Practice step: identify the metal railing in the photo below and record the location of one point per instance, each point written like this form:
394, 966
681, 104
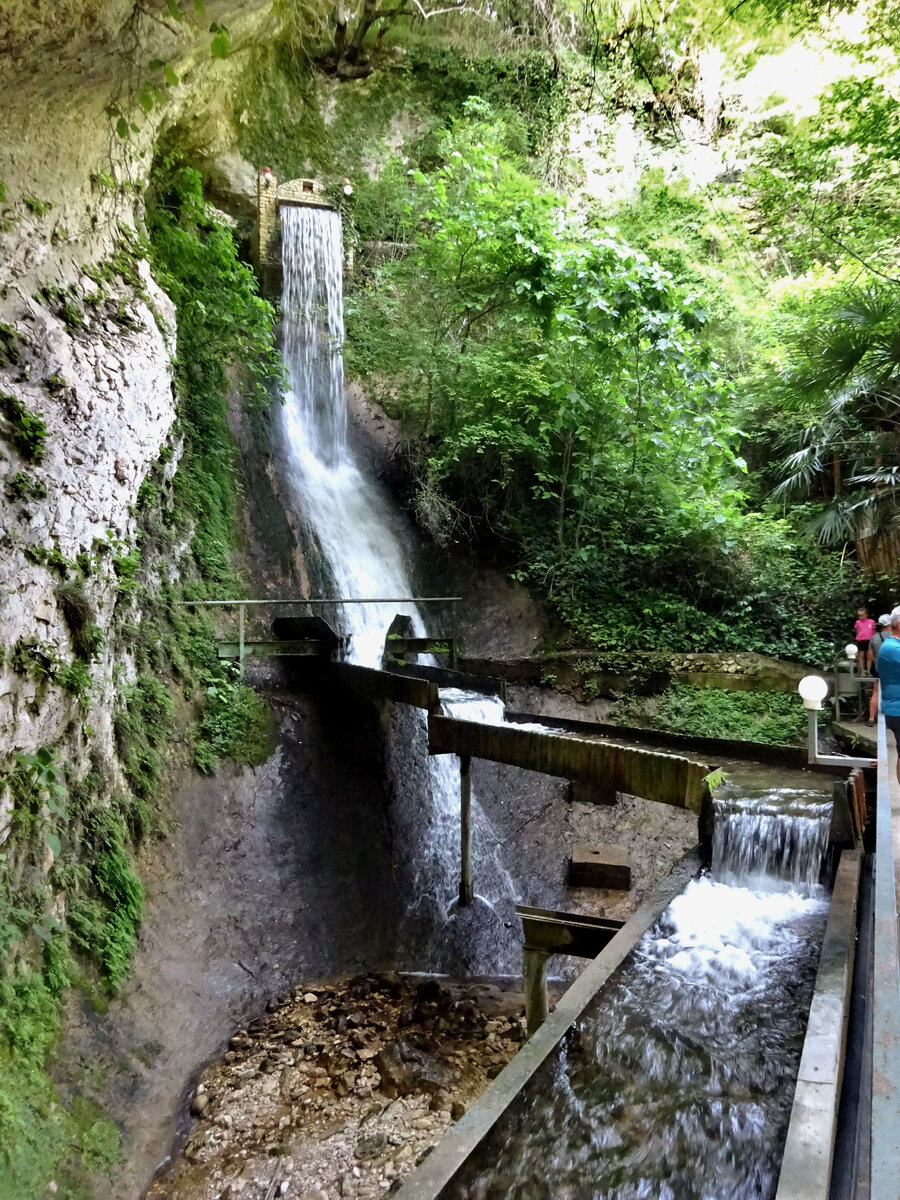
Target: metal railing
242, 604
885, 1145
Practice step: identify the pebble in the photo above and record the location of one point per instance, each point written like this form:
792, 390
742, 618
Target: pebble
297, 1084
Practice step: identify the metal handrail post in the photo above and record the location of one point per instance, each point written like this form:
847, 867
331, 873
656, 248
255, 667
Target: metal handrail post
885, 990
241, 611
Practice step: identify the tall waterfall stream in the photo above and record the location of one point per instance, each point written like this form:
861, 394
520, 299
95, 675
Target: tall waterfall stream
678, 1082
356, 526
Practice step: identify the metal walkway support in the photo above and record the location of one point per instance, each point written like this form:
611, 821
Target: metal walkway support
547, 932
317, 644
466, 886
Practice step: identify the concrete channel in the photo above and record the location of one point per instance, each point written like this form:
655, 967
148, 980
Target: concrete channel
449, 1156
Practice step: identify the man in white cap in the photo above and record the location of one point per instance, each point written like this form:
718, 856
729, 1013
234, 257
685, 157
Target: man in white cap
888, 667
878, 637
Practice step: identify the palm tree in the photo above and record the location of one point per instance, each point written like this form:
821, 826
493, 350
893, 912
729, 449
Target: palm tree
844, 386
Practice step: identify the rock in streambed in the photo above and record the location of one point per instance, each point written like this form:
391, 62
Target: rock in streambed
342, 1089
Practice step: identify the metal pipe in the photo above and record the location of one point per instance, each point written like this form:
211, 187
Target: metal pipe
241, 611
828, 760
336, 600
466, 889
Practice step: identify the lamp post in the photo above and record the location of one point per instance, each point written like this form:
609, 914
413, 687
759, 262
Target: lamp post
813, 689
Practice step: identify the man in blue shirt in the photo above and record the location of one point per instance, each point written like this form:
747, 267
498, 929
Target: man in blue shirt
888, 667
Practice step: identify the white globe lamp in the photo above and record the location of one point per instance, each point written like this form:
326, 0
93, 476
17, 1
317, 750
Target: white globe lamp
851, 650
813, 689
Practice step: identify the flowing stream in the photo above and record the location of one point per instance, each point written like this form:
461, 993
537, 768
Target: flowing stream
365, 543
677, 1082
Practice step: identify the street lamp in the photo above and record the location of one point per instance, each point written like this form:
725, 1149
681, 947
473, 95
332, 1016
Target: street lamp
813, 689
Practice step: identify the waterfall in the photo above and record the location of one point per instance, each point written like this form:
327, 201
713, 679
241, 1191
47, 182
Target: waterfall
776, 839
365, 543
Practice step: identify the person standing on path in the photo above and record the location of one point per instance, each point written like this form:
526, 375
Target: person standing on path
888, 667
863, 629
878, 639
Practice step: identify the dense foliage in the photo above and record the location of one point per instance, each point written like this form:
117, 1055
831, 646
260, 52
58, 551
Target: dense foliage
566, 409
776, 718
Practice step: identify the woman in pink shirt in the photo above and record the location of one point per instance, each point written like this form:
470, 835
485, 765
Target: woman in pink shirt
865, 628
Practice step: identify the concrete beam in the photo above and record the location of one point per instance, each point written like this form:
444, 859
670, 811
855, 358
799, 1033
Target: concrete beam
666, 778
809, 1149
600, 867
439, 1168
384, 685
565, 933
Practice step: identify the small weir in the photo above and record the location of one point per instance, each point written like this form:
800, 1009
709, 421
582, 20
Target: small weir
676, 1082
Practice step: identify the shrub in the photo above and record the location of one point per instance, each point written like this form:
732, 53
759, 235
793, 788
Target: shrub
23, 487
26, 430
235, 724
76, 678
776, 718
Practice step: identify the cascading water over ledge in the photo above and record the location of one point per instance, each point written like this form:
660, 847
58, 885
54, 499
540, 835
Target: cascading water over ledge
366, 543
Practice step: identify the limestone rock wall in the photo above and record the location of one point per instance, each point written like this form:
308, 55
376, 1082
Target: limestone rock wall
104, 393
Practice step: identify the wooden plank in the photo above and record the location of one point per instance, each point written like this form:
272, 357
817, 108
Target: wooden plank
565, 933
665, 778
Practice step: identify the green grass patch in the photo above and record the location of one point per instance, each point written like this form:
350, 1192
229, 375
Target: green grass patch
776, 718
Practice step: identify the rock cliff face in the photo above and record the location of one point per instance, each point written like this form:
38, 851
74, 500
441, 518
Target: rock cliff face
86, 338
103, 391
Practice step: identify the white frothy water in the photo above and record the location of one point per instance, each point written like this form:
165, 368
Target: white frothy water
776, 839
678, 1080
357, 528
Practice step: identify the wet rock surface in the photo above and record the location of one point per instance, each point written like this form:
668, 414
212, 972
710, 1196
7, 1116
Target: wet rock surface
342, 1089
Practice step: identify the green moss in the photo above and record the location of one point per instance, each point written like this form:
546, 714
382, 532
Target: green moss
25, 429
